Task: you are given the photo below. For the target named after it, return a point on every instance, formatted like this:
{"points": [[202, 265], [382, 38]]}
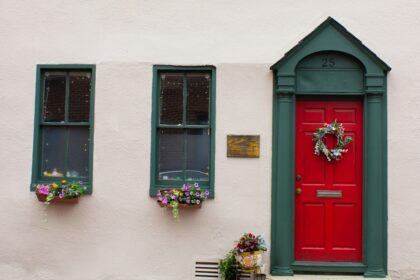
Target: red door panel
{"points": [[328, 229]]}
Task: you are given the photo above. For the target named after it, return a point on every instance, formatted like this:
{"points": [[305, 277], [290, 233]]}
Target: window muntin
{"points": [[184, 129], [63, 128]]}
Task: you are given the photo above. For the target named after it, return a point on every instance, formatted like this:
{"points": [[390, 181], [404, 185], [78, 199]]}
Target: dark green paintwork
{"points": [[155, 185], [299, 73], [282, 194], [36, 178], [328, 72]]}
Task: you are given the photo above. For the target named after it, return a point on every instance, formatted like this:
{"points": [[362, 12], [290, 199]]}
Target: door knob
{"points": [[298, 191], [298, 177]]}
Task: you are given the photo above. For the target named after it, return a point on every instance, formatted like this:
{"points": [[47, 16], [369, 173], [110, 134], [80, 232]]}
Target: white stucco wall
{"points": [[119, 232]]}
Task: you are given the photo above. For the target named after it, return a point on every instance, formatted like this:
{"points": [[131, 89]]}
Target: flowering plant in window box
{"points": [[64, 192], [188, 196], [249, 250]]}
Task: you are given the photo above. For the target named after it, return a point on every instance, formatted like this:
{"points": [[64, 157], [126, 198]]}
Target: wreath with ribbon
{"points": [[336, 129]]}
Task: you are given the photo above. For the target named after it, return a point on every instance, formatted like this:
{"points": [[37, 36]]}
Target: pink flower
{"points": [[43, 189]]}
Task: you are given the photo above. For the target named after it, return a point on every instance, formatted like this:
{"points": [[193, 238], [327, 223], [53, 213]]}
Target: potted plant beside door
{"points": [[249, 250]]}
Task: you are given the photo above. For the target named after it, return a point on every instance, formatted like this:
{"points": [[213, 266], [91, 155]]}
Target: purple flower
{"points": [[76, 193], [187, 194], [198, 201], [188, 200], [165, 201], [207, 192], [191, 193], [197, 194], [197, 186], [180, 199]]}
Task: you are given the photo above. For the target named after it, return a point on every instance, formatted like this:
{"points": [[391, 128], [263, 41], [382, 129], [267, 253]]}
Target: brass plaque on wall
{"points": [[247, 146]]}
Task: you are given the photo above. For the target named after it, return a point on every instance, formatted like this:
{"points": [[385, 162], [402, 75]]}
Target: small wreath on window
{"points": [[330, 128]]}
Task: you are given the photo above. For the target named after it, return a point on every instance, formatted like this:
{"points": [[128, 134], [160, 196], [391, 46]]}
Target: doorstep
{"points": [[321, 277]]}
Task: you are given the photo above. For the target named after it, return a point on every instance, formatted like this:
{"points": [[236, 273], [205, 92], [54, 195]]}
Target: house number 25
{"points": [[328, 62]]}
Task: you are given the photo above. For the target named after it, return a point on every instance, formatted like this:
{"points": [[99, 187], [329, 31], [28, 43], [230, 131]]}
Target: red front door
{"points": [[328, 194]]}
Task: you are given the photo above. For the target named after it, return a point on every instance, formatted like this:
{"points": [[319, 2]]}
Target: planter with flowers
{"points": [[64, 192], [249, 250], [189, 196]]}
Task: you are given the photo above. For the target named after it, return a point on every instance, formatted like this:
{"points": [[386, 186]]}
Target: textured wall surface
{"points": [[119, 232]]}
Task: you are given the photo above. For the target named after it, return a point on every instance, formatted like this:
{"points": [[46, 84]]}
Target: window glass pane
{"points": [[54, 96], [171, 154], [198, 155], [78, 155], [53, 146], [198, 89], [79, 99], [171, 98]]}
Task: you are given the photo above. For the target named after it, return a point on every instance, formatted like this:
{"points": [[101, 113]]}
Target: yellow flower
{"points": [[63, 182], [55, 186]]}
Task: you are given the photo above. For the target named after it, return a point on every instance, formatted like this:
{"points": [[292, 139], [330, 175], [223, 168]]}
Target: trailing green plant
{"points": [[228, 267]]}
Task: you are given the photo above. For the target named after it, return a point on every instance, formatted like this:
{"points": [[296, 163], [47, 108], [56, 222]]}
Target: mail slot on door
{"points": [[330, 194]]}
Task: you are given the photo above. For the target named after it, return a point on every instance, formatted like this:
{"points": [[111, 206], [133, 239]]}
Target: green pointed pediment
{"points": [[327, 37]]}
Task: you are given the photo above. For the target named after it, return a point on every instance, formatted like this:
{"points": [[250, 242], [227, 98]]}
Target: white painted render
{"points": [[119, 232]]}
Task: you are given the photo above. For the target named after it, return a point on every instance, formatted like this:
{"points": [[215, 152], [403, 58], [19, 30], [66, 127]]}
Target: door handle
{"points": [[298, 190]]}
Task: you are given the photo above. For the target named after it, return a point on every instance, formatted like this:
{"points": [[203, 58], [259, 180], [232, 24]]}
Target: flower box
{"points": [[42, 197], [63, 192], [180, 205], [189, 196]]}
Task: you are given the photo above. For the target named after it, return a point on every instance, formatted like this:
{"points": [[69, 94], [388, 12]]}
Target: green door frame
{"points": [[330, 36]]}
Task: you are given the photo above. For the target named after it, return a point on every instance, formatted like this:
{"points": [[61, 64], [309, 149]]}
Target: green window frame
{"points": [[63, 132], [181, 127]]}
